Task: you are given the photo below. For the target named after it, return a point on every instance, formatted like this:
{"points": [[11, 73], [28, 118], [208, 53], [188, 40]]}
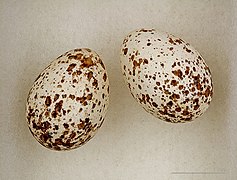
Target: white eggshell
{"points": [[68, 101], [166, 75]]}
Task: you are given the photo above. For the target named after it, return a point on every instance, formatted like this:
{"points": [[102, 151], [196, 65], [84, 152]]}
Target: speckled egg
{"points": [[166, 75], [68, 101]]}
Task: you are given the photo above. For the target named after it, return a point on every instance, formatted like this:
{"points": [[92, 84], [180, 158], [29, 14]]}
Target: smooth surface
{"points": [[131, 144]]}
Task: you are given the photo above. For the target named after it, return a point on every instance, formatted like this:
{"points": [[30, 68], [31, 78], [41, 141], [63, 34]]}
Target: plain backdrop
{"points": [[131, 144]]}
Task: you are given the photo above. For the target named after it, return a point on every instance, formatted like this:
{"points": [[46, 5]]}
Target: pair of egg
{"points": [[69, 99]]}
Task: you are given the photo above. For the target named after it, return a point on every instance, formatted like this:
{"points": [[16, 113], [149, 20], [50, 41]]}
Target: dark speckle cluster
{"points": [[166, 75], [68, 100]]}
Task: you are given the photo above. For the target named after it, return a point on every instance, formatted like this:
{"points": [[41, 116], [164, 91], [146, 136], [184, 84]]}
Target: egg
{"points": [[68, 101], [166, 75]]}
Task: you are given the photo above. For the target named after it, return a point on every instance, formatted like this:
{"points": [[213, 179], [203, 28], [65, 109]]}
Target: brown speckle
{"points": [[89, 97], [207, 92], [187, 70], [145, 61], [185, 112], [86, 62], [171, 41], [48, 101], [76, 57], [72, 96], [178, 73], [181, 87], [58, 106], [70, 67], [154, 104], [174, 82], [65, 125], [104, 76], [178, 109], [95, 83], [179, 41], [89, 75], [175, 96], [125, 51], [169, 104]]}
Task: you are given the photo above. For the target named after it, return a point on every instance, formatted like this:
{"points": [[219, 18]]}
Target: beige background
{"points": [[131, 144]]}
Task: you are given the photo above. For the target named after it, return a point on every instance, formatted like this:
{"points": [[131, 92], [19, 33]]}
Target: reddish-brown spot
{"points": [[154, 104], [64, 112], [188, 50], [181, 87], [86, 62], [58, 106], [174, 83], [95, 83], [89, 97], [136, 64], [56, 96], [89, 75], [171, 41], [48, 101], [78, 72], [145, 61], [179, 41], [101, 63], [76, 50], [43, 126], [65, 125], [175, 96], [146, 30], [54, 114], [81, 125], [207, 92], [72, 96], [70, 67], [125, 51], [77, 56], [186, 92], [196, 107], [199, 86], [187, 70], [169, 104], [72, 135], [46, 113], [178, 109], [185, 113], [44, 137], [174, 64], [192, 89], [104, 76], [178, 73]]}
